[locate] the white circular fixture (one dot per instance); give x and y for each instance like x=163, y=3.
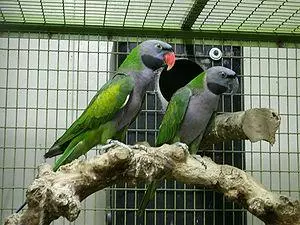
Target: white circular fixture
x=215, y=54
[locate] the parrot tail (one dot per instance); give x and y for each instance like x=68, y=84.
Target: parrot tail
x=56, y=149
x=149, y=195
x=21, y=207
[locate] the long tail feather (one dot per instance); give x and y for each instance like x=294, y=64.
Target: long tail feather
x=57, y=149
x=149, y=195
x=54, y=151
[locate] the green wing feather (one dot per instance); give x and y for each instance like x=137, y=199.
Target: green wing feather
x=174, y=116
x=105, y=104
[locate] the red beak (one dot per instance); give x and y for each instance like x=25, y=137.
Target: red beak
x=169, y=59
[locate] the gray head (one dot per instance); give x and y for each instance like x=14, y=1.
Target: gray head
x=155, y=54
x=220, y=79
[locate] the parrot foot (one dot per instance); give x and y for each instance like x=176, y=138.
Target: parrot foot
x=112, y=143
x=140, y=147
x=183, y=146
x=118, y=143
x=104, y=148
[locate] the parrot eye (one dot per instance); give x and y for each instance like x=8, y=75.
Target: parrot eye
x=159, y=46
x=223, y=75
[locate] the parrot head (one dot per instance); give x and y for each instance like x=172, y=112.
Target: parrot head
x=220, y=79
x=156, y=54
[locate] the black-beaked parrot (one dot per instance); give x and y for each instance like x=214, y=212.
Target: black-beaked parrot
x=189, y=111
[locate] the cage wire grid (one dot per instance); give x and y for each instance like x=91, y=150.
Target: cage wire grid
x=241, y=15
x=46, y=83
x=52, y=68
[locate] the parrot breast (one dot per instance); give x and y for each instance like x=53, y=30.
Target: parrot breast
x=198, y=114
x=133, y=103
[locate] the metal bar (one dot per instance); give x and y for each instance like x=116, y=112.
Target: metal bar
x=21, y=10
x=42, y=8
x=279, y=109
x=258, y=5
x=287, y=19
x=147, y=13
x=267, y=18
x=287, y=70
x=84, y=12
x=193, y=14
x=234, y=9
x=2, y=15
x=298, y=126
x=64, y=13
x=6, y=74
x=26, y=118
x=163, y=23
x=126, y=12
x=296, y=28
x=214, y=6
x=16, y=123
x=152, y=32
x=105, y=11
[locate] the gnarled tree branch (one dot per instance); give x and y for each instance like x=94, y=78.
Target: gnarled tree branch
x=253, y=124
x=55, y=194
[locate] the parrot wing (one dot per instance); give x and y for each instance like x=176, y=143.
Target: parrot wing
x=105, y=104
x=174, y=116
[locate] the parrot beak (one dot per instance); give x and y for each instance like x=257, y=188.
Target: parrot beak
x=234, y=85
x=169, y=59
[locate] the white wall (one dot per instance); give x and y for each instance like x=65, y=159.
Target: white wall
x=272, y=80
x=42, y=91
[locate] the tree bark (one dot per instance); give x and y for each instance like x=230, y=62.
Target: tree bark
x=253, y=124
x=55, y=194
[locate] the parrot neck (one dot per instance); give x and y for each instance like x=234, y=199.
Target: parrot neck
x=133, y=61
x=144, y=77
x=198, y=81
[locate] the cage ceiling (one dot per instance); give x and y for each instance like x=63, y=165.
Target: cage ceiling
x=261, y=20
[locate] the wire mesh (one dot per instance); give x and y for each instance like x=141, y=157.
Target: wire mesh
x=47, y=81
x=235, y=15
x=243, y=15
x=146, y=13
x=272, y=80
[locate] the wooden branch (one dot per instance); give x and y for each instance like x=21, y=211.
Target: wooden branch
x=253, y=124
x=55, y=194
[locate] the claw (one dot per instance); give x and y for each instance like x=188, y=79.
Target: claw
x=111, y=143
x=141, y=147
x=118, y=143
x=182, y=145
x=104, y=148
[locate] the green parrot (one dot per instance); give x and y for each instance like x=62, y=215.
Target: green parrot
x=115, y=105
x=189, y=112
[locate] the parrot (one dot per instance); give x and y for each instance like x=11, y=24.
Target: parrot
x=189, y=112
x=115, y=105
